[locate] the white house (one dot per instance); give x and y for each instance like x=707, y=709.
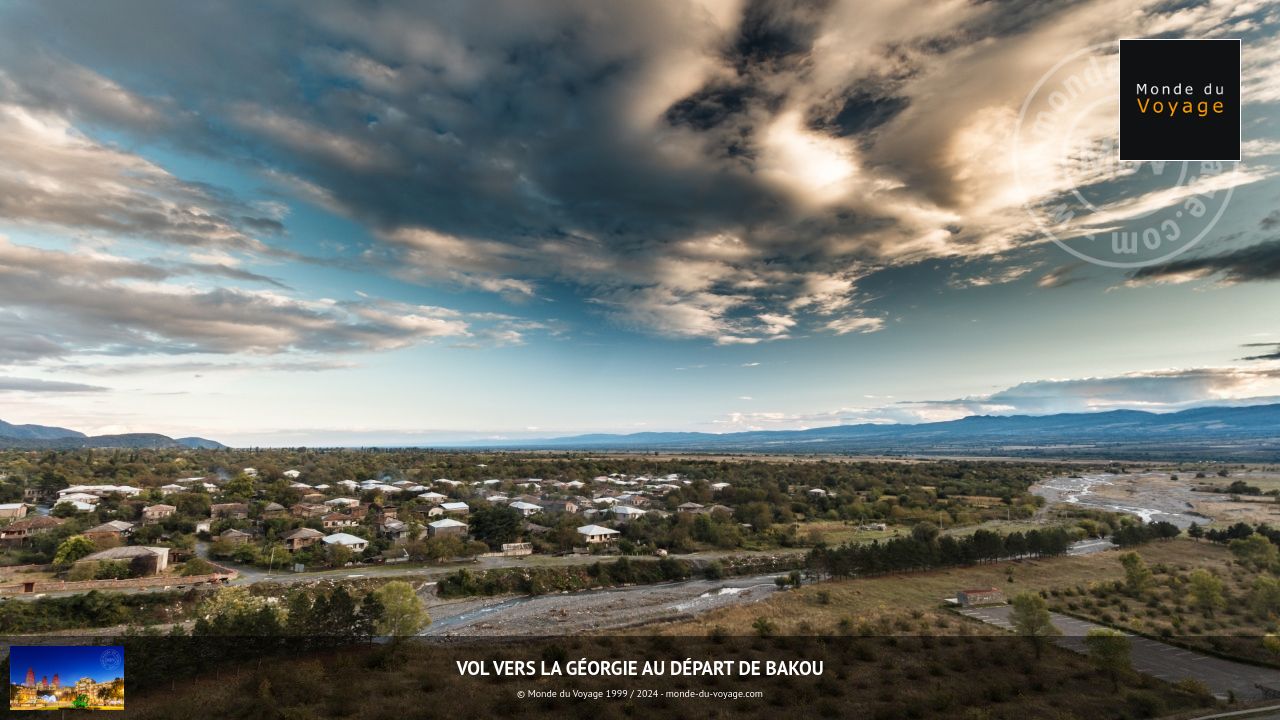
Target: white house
x=342, y=502
x=526, y=508
x=356, y=544
x=625, y=513
x=433, y=497
x=292, y=474
x=594, y=534
x=455, y=508
x=171, y=488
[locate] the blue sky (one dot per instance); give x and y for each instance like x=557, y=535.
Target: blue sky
x=69, y=662
x=330, y=222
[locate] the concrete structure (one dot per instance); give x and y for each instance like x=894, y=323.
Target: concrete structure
x=20, y=530
x=980, y=596
x=447, y=526
x=302, y=538
x=595, y=534
x=115, y=530
x=525, y=508
x=150, y=560
x=152, y=513
x=13, y=511
x=356, y=544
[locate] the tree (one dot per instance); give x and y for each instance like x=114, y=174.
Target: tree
x=1109, y=653
x=72, y=549
x=1206, y=591
x=338, y=554
x=495, y=525
x=1255, y=552
x=1265, y=597
x=925, y=532
x=403, y=612
x=1137, y=576
x=1031, y=619
x=1195, y=531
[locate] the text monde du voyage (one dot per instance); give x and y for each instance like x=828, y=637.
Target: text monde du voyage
x=1181, y=99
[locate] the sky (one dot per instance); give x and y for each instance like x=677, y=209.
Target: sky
x=69, y=662
x=326, y=222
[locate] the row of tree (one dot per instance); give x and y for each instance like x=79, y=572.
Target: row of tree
x=924, y=549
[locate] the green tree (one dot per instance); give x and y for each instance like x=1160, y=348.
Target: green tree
x=1255, y=552
x=403, y=612
x=1031, y=619
x=1137, y=576
x=72, y=549
x=1264, y=599
x=1109, y=653
x=1206, y=591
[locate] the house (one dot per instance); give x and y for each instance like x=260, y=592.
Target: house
x=152, y=513
x=20, y=530
x=171, y=488
x=308, y=510
x=434, y=498
x=114, y=530
x=337, y=520
x=980, y=596
x=274, y=510
x=717, y=487
x=525, y=508
x=447, y=526
x=626, y=513
x=817, y=492
x=229, y=510
x=82, y=498
x=342, y=502
x=13, y=510
x=561, y=506
x=100, y=490
x=147, y=560
x=455, y=508
x=395, y=530
x=234, y=537
x=356, y=544
x=292, y=474
x=301, y=538
x=596, y=534
x=689, y=507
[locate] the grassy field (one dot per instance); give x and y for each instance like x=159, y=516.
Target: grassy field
x=916, y=599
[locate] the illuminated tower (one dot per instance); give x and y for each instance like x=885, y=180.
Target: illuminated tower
x=44, y=681
x=31, y=677
x=55, y=681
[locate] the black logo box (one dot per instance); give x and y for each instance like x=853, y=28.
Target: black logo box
x=1185, y=67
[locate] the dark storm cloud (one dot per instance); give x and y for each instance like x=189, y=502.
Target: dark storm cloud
x=1248, y=264
x=699, y=169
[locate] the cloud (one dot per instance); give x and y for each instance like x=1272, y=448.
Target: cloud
x=1156, y=391
x=61, y=303
x=33, y=385
x=722, y=170
x=1252, y=263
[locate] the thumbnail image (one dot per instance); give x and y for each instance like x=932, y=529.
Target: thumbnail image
x=60, y=677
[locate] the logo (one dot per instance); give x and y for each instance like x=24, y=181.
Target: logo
x=1097, y=207
x=111, y=659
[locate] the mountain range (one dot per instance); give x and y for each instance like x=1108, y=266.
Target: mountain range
x=1222, y=433
x=40, y=437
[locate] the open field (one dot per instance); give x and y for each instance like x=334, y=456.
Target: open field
x=915, y=599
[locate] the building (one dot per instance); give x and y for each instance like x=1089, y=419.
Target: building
x=100, y=490
x=20, y=530
x=148, y=560
x=337, y=520
x=308, y=510
x=980, y=596
x=229, y=510
x=116, y=530
x=626, y=513
x=231, y=536
x=596, y=534
x=302, y=538
x=689, y=507
x=525, y=508
x=152, y=513
x=447, y=526
x=561, y=506
x=274, y=510
x=171, y=488
x=13, y=511
x=356, y=544
x=455, y=508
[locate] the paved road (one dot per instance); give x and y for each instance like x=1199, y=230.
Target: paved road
x=1161, y=660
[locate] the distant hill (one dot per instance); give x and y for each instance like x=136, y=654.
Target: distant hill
x=36, y=432
x=41, y=437
x=1239, y=433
